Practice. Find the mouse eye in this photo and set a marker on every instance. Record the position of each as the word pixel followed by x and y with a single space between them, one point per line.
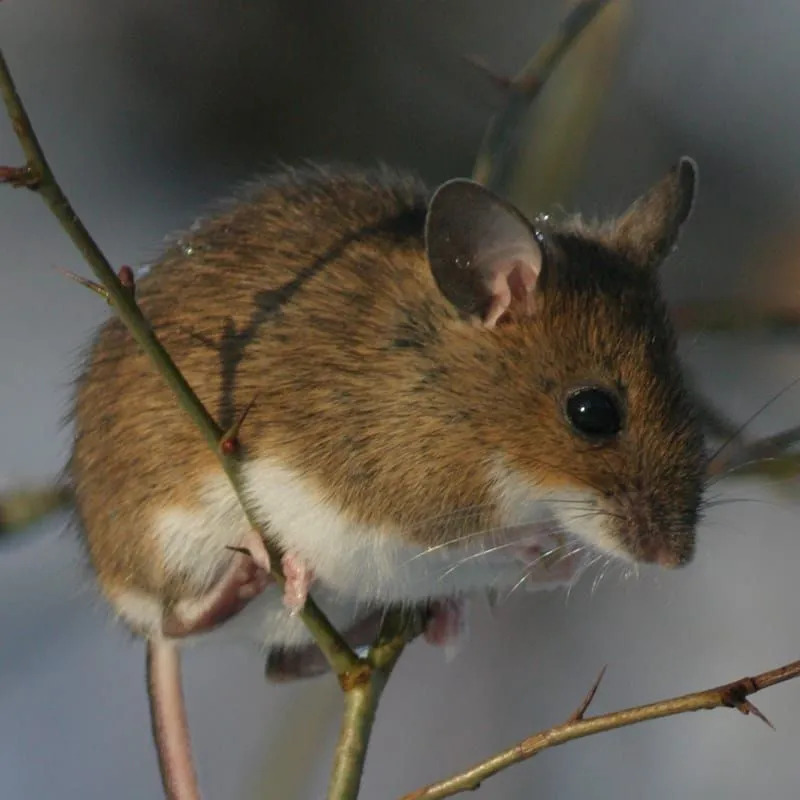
pixel 594 412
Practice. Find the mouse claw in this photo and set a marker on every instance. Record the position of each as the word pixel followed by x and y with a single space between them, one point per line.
pixel 299 578
pixel 447 625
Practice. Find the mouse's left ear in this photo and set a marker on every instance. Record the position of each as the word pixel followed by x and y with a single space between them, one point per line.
pixel 482 252
pixel 649 229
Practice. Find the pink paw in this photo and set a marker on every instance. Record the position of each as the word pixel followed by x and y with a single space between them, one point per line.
pixel 251 579
pixel 242 581
pixel 447 624
pixel 299 577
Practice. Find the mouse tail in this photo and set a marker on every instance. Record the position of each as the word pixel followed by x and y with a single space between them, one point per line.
pixel 168 718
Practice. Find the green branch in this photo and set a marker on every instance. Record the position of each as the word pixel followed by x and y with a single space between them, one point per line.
pixel 362 693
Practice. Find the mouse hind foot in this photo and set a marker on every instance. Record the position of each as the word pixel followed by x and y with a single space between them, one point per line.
pixel 244 579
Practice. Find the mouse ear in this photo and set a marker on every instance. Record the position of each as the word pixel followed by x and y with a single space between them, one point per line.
pixel 649 229
pixel 483 253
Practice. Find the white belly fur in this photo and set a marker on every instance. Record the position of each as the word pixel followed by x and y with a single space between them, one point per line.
pixel 356 566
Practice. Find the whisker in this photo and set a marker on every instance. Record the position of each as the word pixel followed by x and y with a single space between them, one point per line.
pixel 473 556
pixel 464 538
pixel 487 551
pixel 601 574
pixel 736 468
pixel 753 417
pixel 726 501
pixel 516 586
pixel 477 509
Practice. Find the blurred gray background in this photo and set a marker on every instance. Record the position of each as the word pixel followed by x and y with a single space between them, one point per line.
pixel 151 110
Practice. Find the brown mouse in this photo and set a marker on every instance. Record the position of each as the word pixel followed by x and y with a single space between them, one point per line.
pixel 446 399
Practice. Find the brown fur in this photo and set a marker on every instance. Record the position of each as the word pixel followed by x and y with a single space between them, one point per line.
pixel 315 297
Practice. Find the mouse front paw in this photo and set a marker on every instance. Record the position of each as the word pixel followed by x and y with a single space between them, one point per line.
pixel 299 577
pixel 447 625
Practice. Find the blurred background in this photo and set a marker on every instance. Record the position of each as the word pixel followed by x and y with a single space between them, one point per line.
pixel 150 111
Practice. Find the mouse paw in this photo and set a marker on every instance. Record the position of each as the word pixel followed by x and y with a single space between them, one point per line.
pixel 447 625
pixel 240 583
pixel 299 577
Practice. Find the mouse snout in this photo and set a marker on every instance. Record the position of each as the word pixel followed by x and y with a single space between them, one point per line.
pixel 670 552
pixel 659 532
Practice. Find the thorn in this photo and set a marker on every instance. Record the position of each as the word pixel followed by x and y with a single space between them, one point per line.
pixel 587 701
pixel 19 177
pixel 499 81
pixel 243 550
pixel 93 285
pixel 229 443
pixel 746 707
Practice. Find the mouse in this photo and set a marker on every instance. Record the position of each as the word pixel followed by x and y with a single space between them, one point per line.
pixel 444 398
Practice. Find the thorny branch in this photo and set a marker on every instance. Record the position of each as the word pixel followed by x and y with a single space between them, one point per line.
pixel 40 178
pixel 362 680
pixel 729 695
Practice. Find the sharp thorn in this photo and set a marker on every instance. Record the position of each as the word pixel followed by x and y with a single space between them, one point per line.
pixel 500 81
pixel 587 701
pixel 19 177
pixel 243 550
pixel 747 707
pixel 92 285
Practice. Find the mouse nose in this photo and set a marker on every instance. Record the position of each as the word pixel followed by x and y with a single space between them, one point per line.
pixel 672 553
pixel 669 559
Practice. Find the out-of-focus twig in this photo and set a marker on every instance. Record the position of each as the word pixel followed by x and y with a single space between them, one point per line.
pixel 26 505
pixel 761 456
pixel 729 695
pixel 725 317
pixel 499 149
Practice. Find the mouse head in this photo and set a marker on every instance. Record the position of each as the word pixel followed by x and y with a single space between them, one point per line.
pixel 587 412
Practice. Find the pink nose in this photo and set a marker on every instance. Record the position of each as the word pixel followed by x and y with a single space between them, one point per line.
pixel 665 555
pixel 668 559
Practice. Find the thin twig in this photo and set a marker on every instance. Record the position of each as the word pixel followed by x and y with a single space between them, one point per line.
pixel 498 151
pixel 25 505
pixel 756 454
pixel 42 180
pixel 731 316
pixel 730 695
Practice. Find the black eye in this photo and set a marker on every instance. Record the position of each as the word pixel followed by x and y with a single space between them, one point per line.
pixel 594 413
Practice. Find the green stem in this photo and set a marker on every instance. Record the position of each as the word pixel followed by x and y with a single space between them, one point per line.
pixel 363 688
